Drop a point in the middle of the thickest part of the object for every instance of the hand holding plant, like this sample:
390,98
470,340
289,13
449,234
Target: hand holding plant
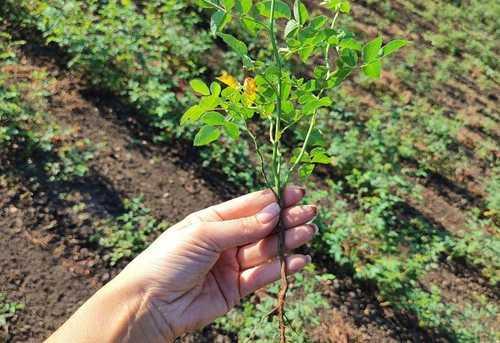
273,97
196,271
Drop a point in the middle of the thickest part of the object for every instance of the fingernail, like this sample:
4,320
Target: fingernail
268,213
315,228
314,209
300,189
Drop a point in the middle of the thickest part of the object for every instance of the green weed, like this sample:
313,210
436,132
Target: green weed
8,310
127,235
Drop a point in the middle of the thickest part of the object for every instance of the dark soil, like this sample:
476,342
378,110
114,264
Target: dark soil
48,263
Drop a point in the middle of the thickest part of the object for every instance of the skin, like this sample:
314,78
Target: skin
195,272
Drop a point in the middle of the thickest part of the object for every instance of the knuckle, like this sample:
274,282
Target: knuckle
248,224
196,227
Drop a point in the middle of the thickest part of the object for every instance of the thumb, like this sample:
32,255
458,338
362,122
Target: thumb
233,233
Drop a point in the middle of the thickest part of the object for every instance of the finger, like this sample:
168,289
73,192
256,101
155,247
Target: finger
233,233
256,253
248,205
298,215
257,277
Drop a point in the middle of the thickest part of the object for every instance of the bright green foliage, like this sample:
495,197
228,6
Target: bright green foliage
8,309
127,235
272,92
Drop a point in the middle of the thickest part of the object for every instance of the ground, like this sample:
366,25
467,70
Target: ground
50,264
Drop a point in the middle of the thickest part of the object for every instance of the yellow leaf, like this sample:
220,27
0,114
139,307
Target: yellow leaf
229,80
250,90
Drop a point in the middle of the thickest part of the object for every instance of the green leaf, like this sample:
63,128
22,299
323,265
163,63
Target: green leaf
204,4
371,50
345,7
208,103
232,130
250,26
300,12
215,88
192,114
338,5
295,155
314,104
291,26
228,4
351,43
281,9
306,170
218,20
243,6
339,76
238,46
393,46
319,155
349,57
199,87
306,52
213,118
206,135
373,69
318,22
317,139
325,102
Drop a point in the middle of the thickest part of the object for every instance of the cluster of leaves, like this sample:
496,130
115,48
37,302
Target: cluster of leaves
25,122
148,53
71,160
8,310
480,246
305,301
272,92
143,53
368,228
395,254
128,234
279,97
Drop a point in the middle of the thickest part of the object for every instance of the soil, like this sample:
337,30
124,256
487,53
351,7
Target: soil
48,263
51,266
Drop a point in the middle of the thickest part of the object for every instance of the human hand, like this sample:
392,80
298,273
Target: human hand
201,267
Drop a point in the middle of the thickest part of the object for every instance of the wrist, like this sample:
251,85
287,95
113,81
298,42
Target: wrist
144,321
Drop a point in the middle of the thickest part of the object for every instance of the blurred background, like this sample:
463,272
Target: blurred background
93,165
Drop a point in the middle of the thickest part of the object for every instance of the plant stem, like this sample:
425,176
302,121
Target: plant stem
215,5
312,123
259,153
277,181
277,130
327,49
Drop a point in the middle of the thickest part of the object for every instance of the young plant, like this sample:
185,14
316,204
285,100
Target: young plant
274,97
8,310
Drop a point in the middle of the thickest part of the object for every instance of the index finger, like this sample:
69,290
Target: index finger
249,204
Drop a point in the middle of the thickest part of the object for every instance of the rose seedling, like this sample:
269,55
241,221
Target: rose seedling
275,98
